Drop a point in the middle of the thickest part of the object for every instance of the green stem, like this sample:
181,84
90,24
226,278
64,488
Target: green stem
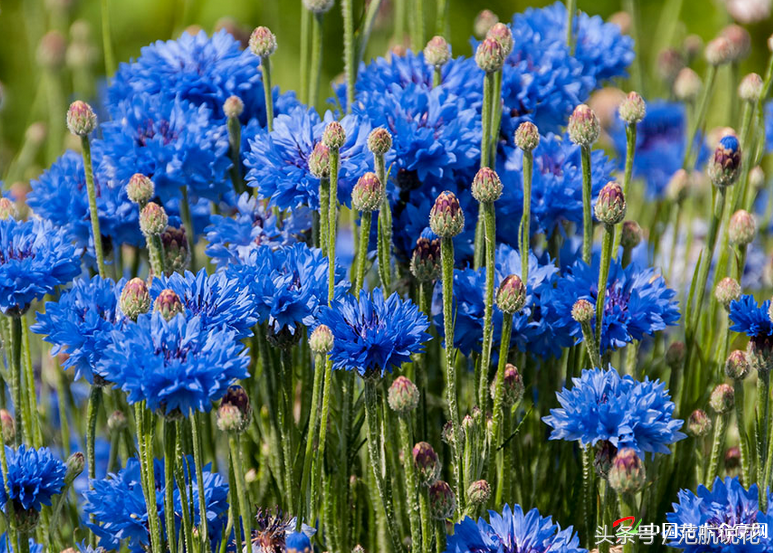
316,58
488,86
156,254
107,42
441,28
525,230
384,251
628,509
426,522
324,205
93,213
763,405
499,395
376,459
265,68
16,377
606,255
332,223
588,489
365,29
587,193
319,459
198,459
571,9
716,448
489,223
447,261
234,444
411,486
95,401
312,443
350,69
31,417
496,118
185,215
362,254
235,141
743,443
630,152
182,486
234,514
437,77
637,69
169,455
306,17
416,22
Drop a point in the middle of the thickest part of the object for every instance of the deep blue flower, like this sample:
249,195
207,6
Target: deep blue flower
59,195
637,302
769,126
661,139
232,239
514,531
218,300
201,69
535,327
278,160
176,366
172,141
80,322
289,285
215,499
723,508
35,258
297,542
603,406
749,318
7,547
556,195
34,477
373,334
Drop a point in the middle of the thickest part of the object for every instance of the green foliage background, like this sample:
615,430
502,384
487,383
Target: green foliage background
135,23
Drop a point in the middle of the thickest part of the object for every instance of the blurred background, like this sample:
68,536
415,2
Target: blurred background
42,71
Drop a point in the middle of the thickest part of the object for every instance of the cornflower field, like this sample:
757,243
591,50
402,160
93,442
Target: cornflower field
386,276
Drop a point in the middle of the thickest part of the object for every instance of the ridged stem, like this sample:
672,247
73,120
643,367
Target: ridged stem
332,221
743,443
525,230
606,256
265,68
630,152
16,377
587,193
312,444
169,455
324,206
93,212
306,17
95,401
384,251
107,42
362,253
350,69
426,521
571,9
499,396
235,142
234,445
33,431
198,459
489,224
416,24
316,58
182,487
411,486
588,489
488,90
763,405
716,447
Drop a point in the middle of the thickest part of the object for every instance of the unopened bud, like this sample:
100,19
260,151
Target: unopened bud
319,161
584,127
479,492
153,219
140,189
442,502
742,228
334,135
699,424
403,396
437,52
527,136
168,304
379,141
486,186
583,311
632,109
750,89
727,291
489,56
262,42
610,206
426,463
446,218
737,365
368,193
233,107
135,298
511,296
722,399
321,340
627,474
81,119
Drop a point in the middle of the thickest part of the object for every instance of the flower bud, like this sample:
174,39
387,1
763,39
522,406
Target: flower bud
750,89
7,209
670,62
740,42
484,21
321,340
425,261
502,34
233,107
725,163
513,386
81,119
486,186
140,189
511,296
437,52
737,365
297,542
334,136
52,51
168,304
153,219
584,127
633,109
605,456
403,396
9,426
757,177
699,424
368,193
379,141
426,463
478,492
722,399
262,42
358,549
176,254
319,161
75,464
135,298
117,423
727,290
489,56
718,52
675,355
627,474
447,434
442,502
631,235
610,206
759,351
679,185
527,136
235,411
622,20
732,459
318,6
687,85
446,218
583,311
742,228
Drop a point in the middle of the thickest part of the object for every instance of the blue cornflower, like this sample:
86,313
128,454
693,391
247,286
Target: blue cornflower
603,406
534,327
80,323
59,195
513,530
34,477
637,303
7,547
749,318
719,511
278,160
435,133
556,186
661,139
172,141
218,300
35,258
374,334
232,239
198,68
289,285
176,366
297,542
118,506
